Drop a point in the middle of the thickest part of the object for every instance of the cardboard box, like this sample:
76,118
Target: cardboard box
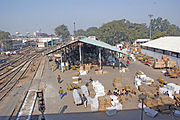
99,72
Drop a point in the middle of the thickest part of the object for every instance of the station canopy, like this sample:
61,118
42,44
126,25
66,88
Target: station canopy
95,43
170,43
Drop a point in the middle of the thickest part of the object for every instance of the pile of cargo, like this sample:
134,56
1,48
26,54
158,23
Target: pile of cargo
162,104
104,102
176,69
171,88
140,78
165,62
159,64
117,83
98,88
161,99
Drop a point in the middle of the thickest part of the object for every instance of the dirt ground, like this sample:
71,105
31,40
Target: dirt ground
57,108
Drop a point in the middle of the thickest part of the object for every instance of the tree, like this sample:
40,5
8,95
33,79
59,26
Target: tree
122,30
5,40
162,27
62,31
4,35
92,31
80,32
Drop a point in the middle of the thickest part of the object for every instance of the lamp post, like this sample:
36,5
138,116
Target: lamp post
142,97
150,16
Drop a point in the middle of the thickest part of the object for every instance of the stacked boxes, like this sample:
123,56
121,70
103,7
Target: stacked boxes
104,102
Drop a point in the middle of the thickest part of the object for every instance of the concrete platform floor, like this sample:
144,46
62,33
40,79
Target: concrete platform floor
65,109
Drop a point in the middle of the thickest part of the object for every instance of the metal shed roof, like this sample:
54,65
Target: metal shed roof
92,42
170,43
101,44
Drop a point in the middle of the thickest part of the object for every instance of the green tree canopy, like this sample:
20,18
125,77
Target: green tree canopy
162,27
92,31
4,35
62,31
122,30
80,32
5,39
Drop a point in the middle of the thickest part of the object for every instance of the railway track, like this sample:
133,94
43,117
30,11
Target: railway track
13,69
8,84
25,108
12,62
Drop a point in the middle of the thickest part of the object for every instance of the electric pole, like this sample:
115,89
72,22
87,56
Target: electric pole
74,28
150,16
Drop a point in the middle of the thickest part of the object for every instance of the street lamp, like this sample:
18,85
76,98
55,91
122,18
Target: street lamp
142,97
150,16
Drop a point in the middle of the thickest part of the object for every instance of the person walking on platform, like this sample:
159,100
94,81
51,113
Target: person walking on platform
52,68
85,100
114,65
127,63
59,79
61,93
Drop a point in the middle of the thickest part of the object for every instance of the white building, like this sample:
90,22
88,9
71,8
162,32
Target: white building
169,46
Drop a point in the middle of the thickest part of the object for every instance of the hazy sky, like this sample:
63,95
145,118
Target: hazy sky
31,15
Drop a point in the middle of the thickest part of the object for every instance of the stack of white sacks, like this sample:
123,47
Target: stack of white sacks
115,103
98,88
83,72
84,90
171,88
142,79
77,97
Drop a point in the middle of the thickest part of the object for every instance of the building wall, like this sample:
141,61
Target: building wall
41,44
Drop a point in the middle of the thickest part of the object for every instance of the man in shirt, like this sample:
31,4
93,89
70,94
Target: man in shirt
61,92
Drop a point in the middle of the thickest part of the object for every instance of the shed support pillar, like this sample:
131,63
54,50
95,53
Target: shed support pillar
80,55
100,67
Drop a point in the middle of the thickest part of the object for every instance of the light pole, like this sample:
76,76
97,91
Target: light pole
150,16
74,28
142,97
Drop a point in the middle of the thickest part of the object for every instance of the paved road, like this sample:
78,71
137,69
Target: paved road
65,109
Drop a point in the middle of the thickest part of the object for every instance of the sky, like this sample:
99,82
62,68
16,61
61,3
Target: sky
31,15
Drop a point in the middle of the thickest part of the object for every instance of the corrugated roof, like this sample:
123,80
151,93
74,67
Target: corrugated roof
101,44
92,42
170,43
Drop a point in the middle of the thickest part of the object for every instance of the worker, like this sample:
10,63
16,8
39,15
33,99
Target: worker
90,80
113,103
7,68
127,63
52,68
61,92
62,66
115,91
118,92
133,91
67,66
59,63
114,65
109,92
120,65
59,79
123,91
166,93
84,100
